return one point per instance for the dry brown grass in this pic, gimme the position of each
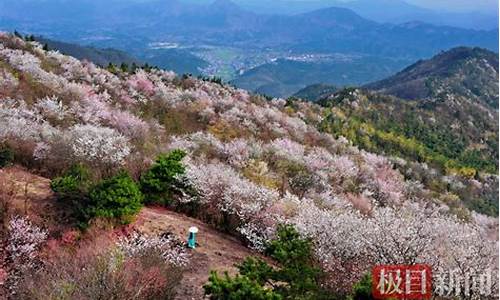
(29, 195)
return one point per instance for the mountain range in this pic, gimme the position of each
(382, 11)
(223, 22)
(271, 54)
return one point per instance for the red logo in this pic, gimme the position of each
(402, 282)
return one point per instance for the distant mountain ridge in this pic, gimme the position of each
(384, 11)
(101, 57)
(461, 71)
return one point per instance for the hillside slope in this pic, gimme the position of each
(215, 250)
(450, 136)
(446, 114)
(460, 72)
(243, 166)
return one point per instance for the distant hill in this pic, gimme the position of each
(442, 111)
(101, 57)
(284, 77)
(177, 60)
(466, 72)
(340, 30)
(315, 92)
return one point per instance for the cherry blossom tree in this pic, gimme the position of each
(24, 241)
(167, 246)
(98, 145)
(7, 81)
(52, 108)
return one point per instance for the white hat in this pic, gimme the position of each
(193, 229)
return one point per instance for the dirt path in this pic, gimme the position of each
(216, 251)
(29, 194)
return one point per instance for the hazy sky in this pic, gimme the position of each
(488, 6)
(462, 5)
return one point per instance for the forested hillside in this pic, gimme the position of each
(451, 137)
